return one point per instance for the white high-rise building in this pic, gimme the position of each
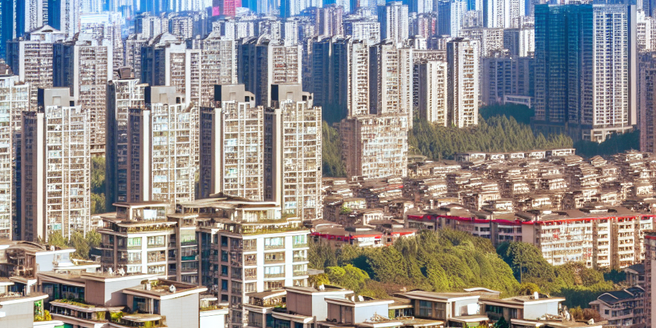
(350, 88)
(432, 91)
(85, 65)
(390, 80)
(520, 42)
(31, 58)
(394, 24)
(463, 82)
(364, 30)
(450, 16)
(55, 167)
(292, 154)
(161, 151)
(232, 145)
(503, 13)
(14, 100)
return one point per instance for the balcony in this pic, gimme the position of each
(275, 275)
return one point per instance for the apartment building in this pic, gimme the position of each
(134, 45)
(503, 76)
(24, 311)
(90, 300)
(520, 42)
(292, 154)
(14, 99)
(598, 237)
(650, 267)
(390, 80)
(31, 58)
(621, 308)
(489, 39)
(463, 82)
(264, 62)
(349, 86)
(55, 167)
(218, 65)
(161, 148)
(85, 65)
(123, 94)
(232, 145)
(375, 146)
(393, 19)
(430, 91)
(364, 30)
(253, 248)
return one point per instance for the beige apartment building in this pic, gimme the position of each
(55, 167)
(161, 150)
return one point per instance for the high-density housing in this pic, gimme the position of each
(55, 167)
(231, 245)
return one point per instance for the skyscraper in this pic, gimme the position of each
(393, 18)
(161, 151)
(449, 15)
(64, 15)
(84, 65)
(432, 91)
(14, 99)
(292, 152)
(31, 58)
(55, 167)
(123, 94)
(218, 65)
(463, 89)
(263, 62)
(585, 69)
(232, 145)
(390, 80)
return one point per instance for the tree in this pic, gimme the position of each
(331, 152)
(348, 277)
(56, 238)
(528, 288)
(97, 184)
(80, 244)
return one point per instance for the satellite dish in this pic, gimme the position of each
(172, 289)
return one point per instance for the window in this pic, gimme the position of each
(425, 309)
(156, 241)
(250, 287)
(274, 257)
(224, 285)
(255, 319)
(134, 242)
(300, 256)
(299, 241)
(300, 269)
(224, 241)
(224, 256)
(298, 325)
(188, 237)
(274, 271)
(274, 242)
(224, 270)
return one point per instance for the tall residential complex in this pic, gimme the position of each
(450, 14)
(123, 94)
(232, 145)
(585, 69)
(31, 58)
(263, 62)
(349, 86)
(218, 63)
(84, 65)
(161, 151)
(463, 82)
(390, 80)
(14, 100)
(55, 167)
(505, 76)
(393, 18)
(292, 153)
(431, 91)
